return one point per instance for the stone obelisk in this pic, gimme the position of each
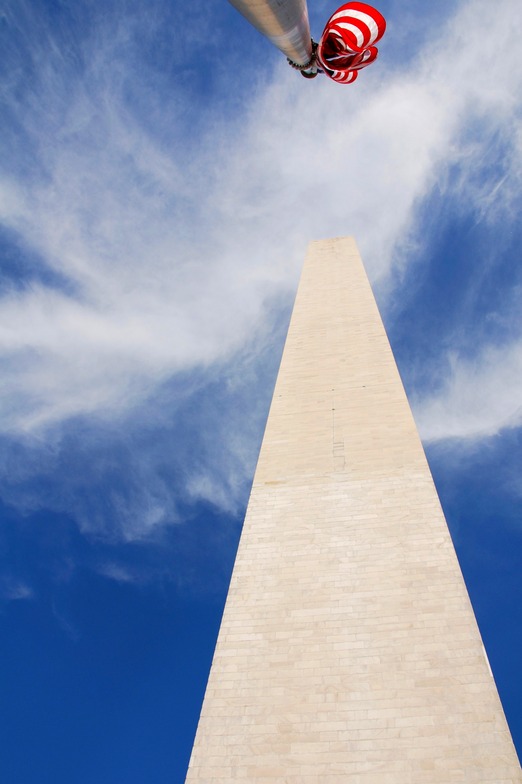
(348, 651)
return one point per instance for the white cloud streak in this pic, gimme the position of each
(173, 252)
(480, 397)
(12, 590)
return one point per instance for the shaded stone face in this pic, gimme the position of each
(348, 650)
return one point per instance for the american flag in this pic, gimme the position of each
(347, 42)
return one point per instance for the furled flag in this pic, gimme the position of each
(347, 42)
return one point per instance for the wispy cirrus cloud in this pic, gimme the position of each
(169, 248)
(13, 589)
(480, 398)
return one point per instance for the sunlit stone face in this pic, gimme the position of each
(348, 650)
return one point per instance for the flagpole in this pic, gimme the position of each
(284, 23)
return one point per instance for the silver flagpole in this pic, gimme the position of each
(284, 23)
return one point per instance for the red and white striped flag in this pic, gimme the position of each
(347, 42)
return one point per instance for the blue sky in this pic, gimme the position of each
(162, 170)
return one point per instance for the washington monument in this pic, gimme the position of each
(348, 650)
